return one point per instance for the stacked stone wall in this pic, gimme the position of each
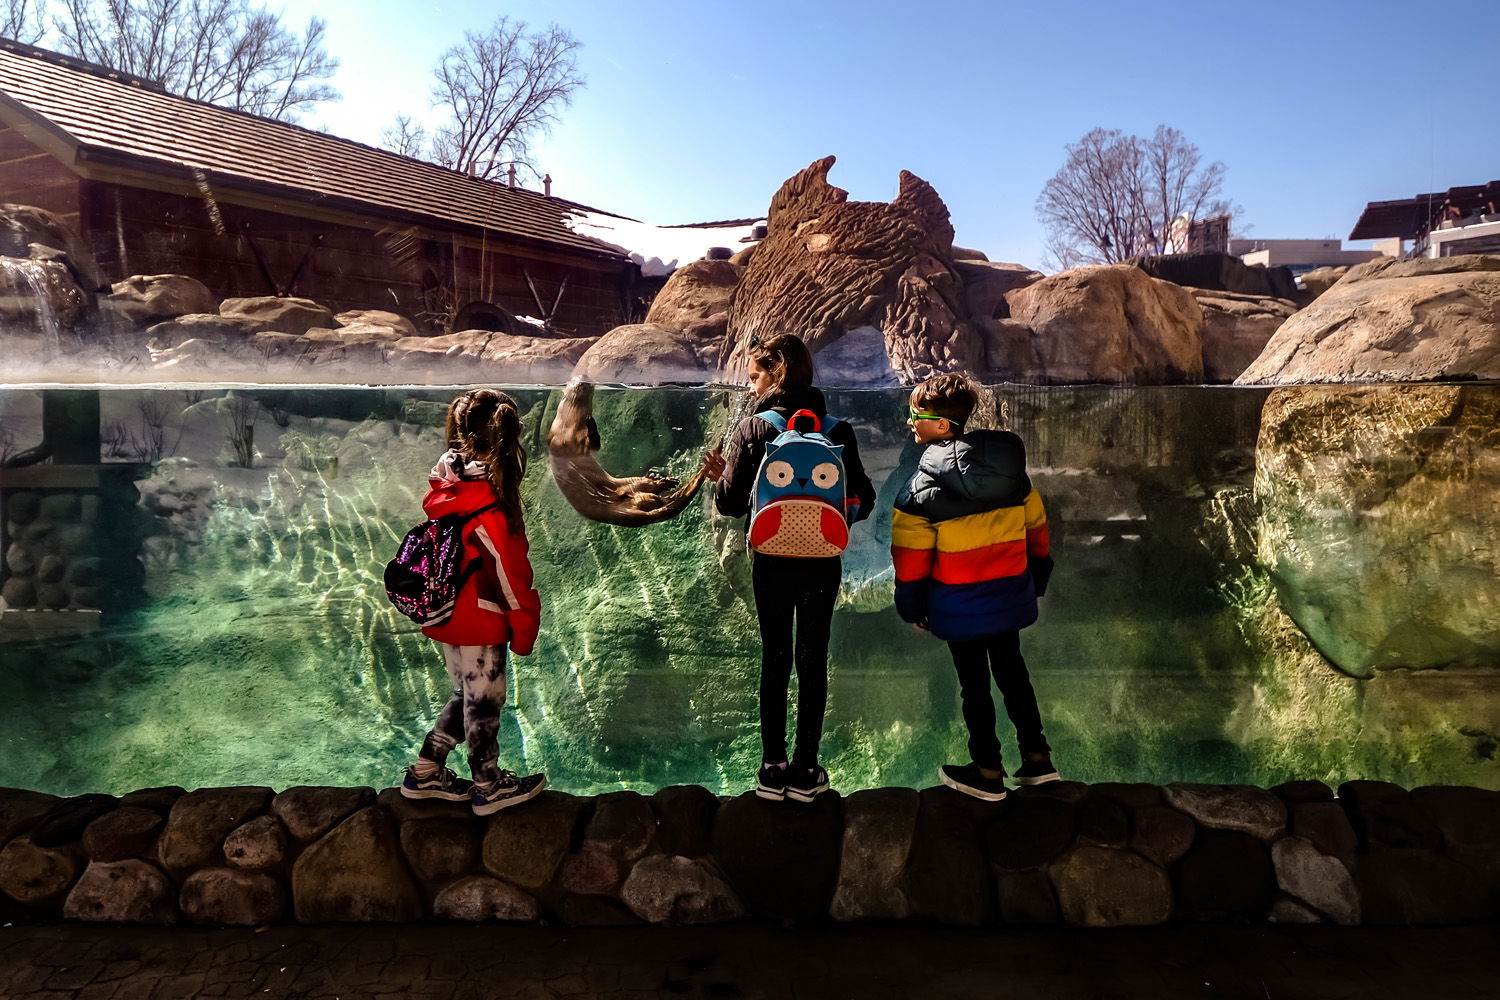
(1105, 855)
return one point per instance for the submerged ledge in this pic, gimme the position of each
(1104, 855)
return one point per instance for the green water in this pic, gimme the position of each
(264, 651)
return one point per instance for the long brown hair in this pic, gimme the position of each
(785, 357)
(484, 425)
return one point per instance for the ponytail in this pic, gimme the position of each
(484, 425)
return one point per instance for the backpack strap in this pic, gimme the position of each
(775, 419)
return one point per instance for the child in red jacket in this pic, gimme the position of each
(480, 476)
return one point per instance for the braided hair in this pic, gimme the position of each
(484, 425)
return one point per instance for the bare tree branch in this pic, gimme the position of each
(225, 52)
(22, 21)
(405, 137)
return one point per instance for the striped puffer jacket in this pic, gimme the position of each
(969, 538)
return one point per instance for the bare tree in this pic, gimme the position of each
(406, 137)
(497, 91)
(21, 20)
(1119, 196)
(226, 52)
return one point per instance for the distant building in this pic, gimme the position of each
(153, 183)
(1299, 256)
(1440, 224)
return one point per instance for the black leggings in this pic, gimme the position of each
(804, 589)
(975, 660)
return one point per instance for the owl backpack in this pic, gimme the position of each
(799, 507)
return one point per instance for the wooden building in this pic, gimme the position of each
(158, 184)
(1460, 220)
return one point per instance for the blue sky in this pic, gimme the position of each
(698, 111)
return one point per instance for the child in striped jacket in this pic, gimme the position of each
(969, 542)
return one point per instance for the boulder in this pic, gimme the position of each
(126, 832)
(353, 336)
(407, 810)
(257, 845)
(19, 808)
(947, 878)
(122, 892)
(684, 819)
(209, 330)
(1420, 888)
(1235, 330)
(1293, 792)
(1102, 820)
(1230, 807)
(622, 826)
(1467, 817)
(525, 845)
(781, 861)
(1131, 794)
(1373, 503)
(284, 315)
(39, 296)
(377, 318)
(1326, 826)
(695, 292)
(440, 850)
(880, 825)
(1226, 874)
(1221, 272)
(1030, 831)
(590, 872)
(676, 891)
(28, 231)
(829, 265)
(1320, 881)
(1161, 834)
(642, 354)
(986, 283)
(1391, 320)
(501, 357)
(225, 897)
(1289, 911)
(1385, 815)
(1319, 280)
(1026, 896)
(355, 873)
(200, 821)
(143, 299)
(1110, 323)
(481, 899)
(37, 875)
(65, 822)
(309, 811)
(1106, 887)
(1008, 351)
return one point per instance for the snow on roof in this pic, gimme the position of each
(659, 250)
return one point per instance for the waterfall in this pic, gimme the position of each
(28, 289)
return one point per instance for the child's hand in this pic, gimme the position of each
(713, 465)
(921, 626)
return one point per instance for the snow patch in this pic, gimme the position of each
(659, 250)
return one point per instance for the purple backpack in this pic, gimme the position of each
(425, 578)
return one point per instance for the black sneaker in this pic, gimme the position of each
(805, 783)
(512, 790)
(770, 783)
(440, 784)
(1036, 772)
(967, 779)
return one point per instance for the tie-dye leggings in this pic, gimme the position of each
(472, 715)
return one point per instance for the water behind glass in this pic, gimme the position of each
(262, 649)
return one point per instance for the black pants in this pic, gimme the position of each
(975, 660)
(804, 590)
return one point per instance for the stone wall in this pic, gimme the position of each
(1104, 855)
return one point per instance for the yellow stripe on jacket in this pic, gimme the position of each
(984, 546)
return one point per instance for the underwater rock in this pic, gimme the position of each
(1225, 875)
(1390, 320)
(37, 875)
(1230, 807)
(126, 832)
(144, 299)
(122, 892)
(1379, 510)
(480, 899)
(675, 891)
(781, 858)
(829, 265)
(525, 845)
(641, 354)
(356, 873)
(684, 819)
(1025, 897)
(1110, 323)
(224, 897)
(947, 877)
(284, 315)
(200, 821)
(880, 825)
(1317, 879)
(309, 811)
(440, 849)
(259, 844)
(1107, 887)
(1235, 330)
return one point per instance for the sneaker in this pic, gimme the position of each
(512, 790)
(805, 783)
(1036, 772)
(440, 784)
(967, 779)
(770, 782)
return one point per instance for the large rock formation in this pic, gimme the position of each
(1379, 514)
(1109, 323)
(829, 265)
(1214, 271)
(1391, 320)
(1235, 330)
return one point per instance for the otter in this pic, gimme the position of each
(594, 493)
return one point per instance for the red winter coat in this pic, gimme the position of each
(497, 603)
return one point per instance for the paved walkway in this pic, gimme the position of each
(460, 962)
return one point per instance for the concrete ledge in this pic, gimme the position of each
(1105, 855)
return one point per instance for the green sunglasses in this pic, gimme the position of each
(925, 416)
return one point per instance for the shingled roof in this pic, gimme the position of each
(115, 119)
